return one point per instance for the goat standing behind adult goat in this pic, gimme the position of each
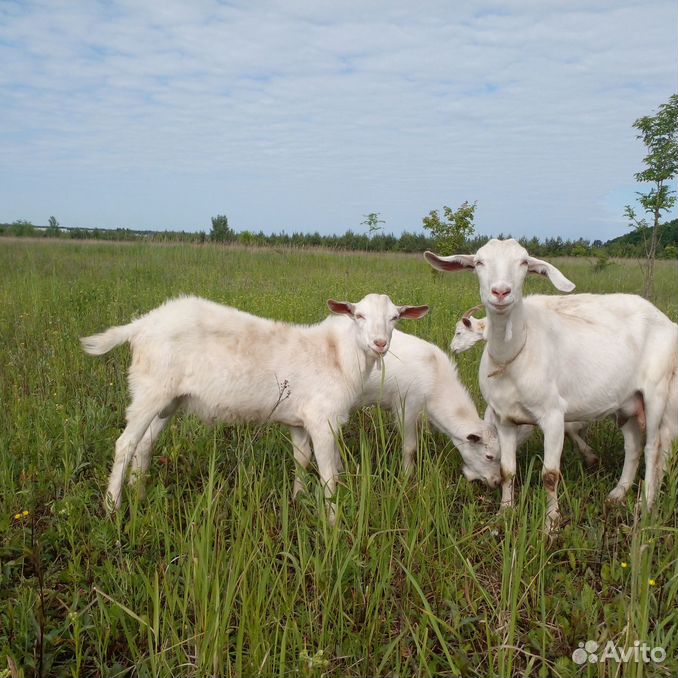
(418, 379)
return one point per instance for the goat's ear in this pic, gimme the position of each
(341, 307)
(455, 262)
(467, 322)
(412, 312)
(558, 280)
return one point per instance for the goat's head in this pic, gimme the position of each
(375, 316)
(468, 331)
(481, 455)
(501, 266)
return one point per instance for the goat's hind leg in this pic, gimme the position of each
(632, 446)
(654, 466)
(140, 414)
(141, 459)
(572, 431)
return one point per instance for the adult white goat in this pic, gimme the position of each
(469, 330)
(418, 378)
(227, 365)
(544, 367)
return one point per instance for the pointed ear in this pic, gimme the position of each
(455, 262)
(558, 280)
(467, 322)
(341, 307)
(412, 312)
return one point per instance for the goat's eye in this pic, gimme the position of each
(524, 262)
(395, 317)
(480, 263)
(359, 316)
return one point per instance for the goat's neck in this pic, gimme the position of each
(356, 365)
(506, 333)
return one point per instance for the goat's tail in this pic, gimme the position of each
(98, 344)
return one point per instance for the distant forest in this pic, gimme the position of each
(630, 244)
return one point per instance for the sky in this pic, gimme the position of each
(307, 115)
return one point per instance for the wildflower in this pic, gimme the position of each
(17, 516)
(652, 582)
(624, 565)
(24, 514)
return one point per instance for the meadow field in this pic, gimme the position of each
(217, 572)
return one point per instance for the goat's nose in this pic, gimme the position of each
(380, 343)
(501, 291)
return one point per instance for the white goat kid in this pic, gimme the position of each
(227, 365)
(470, 330)
(417, 379)
(542, 367)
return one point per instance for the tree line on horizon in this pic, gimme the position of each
(628, 245)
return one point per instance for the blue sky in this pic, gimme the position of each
(307, 115)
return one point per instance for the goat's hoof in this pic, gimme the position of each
(647, 506)
(591, 461)
(552, 523)
(111, 504)
(138, 485)
(299, 487)
(617, 495)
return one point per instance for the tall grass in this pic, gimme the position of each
(218, 572)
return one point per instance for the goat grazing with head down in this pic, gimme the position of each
(417, 379)
(226, 365)
(600, 354)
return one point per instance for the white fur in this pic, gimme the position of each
(597, 354)
(467, 333)
(470, 330)
(227, 365)
(418, 378)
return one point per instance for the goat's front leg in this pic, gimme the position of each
(326, 454)
(553, 426)
(301, 442)
(408, 427)
(508, 441)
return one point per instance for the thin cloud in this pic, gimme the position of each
(308, 115)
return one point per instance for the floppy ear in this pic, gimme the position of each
(558, 280)
(455, 262)
(341, 307)
(412, 312)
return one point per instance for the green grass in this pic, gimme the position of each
(217, 572)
